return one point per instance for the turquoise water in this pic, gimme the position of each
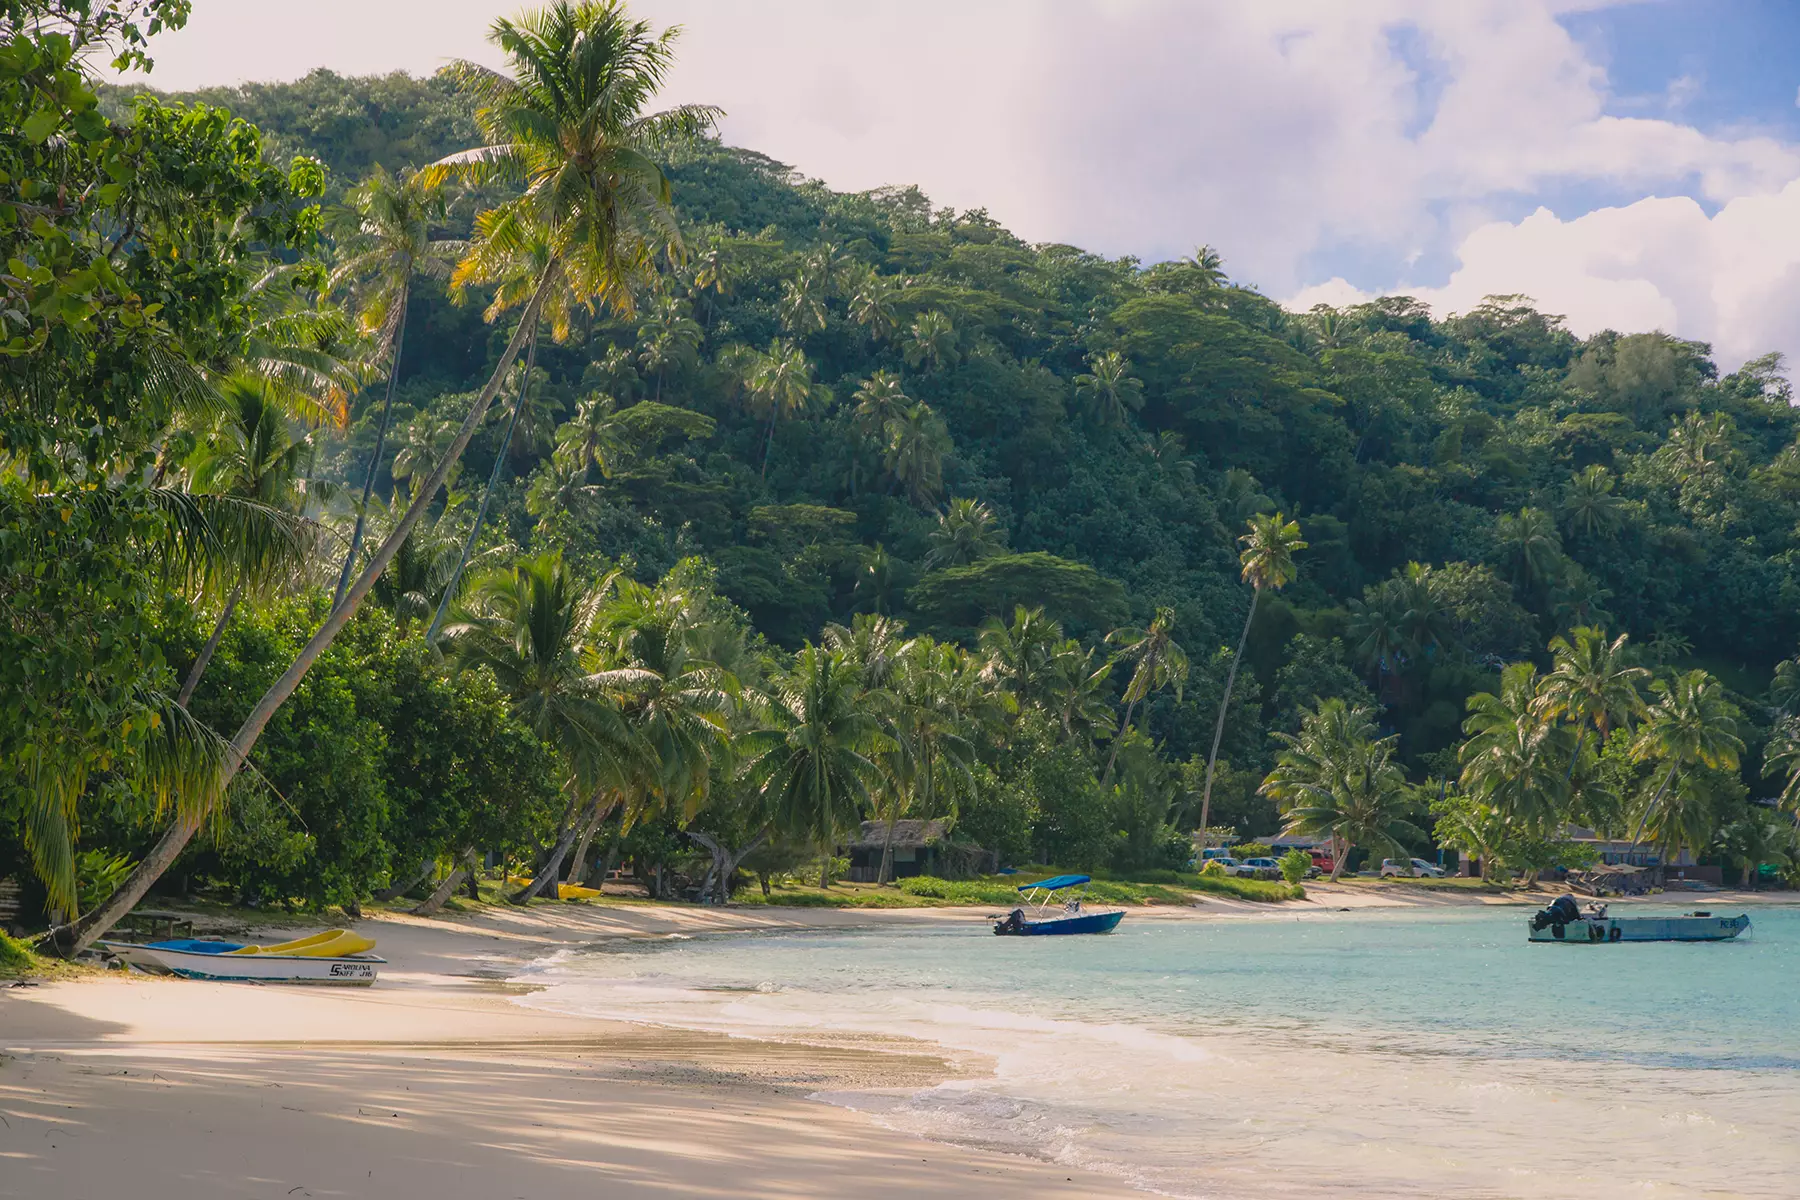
(1393, 1054)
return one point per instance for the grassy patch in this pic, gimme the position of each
(926, 891)
(16, 958)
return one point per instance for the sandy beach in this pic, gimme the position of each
(436, 1083)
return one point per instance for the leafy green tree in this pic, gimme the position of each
(1589, 507)
(1267, 561)
(1692, 725)
(931, 342)
(917, 444)
(781, 383)
(967, 531)
(1160, 663)
(667, 339)
(1512, 759)
(1530, 548)
(1108, 391)
(1592, 685)
(879, 402)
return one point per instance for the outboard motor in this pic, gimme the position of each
(1561, 912)
(1012, 922)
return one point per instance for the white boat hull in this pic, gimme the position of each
(1589, 931)
(356, 971)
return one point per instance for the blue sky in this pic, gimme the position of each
(1630, 165)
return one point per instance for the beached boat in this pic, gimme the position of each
(1565, 921)
(336, 957)
(1044, 913)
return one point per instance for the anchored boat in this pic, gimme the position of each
(1044, 913)
(335, 957)
(1565, 921)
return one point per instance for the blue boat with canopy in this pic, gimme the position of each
(1047, 911)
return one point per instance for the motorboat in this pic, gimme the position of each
(336, 957)
(1046, 910)
(1566, 921)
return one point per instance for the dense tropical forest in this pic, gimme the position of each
(528, 477)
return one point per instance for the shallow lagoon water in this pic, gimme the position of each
(1395, 1054)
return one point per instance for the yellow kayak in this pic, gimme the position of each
(564, 891)
(332, 943)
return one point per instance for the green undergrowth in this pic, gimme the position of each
(16, 958)
(927, 891)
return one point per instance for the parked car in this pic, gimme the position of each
(1259, 868)
(1226, 863)
(1412, 868)
(1323, 864)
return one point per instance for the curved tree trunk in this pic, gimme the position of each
(411, 881)
(205, 656)
(487, 496)
(724, 864)
(440, 895)
(387, 415)
(1212, 759)
(581, 847)
(72, 939)
(769, 441)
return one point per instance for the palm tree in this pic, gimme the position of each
(569, 123)
(917, 443)
(1377, 630)
(1699, 445)
(1267, 561)
(932, 341)
(879, 402)
(1589, 507)
(1336, 779)
(254, 456)
(781, 381)
(714, 272)
(530, 625)
(1169, 450)
(929, 764)
(967, 531)
(1691, 724)
(872, 305)
(1758, 838)
(1511, 758)
(1592, 685)
(815, 764)
(1530, 546)
(1108, 391)
(1781, 758)
(1076, 690)
(802, 306)
(1019, 655)
(1161, 663)
(1207, 267)
(388, 243)
(417, 576)
(668, 338)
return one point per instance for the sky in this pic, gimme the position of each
(1633, 166)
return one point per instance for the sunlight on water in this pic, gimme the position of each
(1399, 1054)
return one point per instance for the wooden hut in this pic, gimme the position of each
(920, 848)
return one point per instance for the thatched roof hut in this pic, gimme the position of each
(909, 833)
(920, 848)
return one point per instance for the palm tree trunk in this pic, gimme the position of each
(1112, 754)
(769, 441)
(72, 939)
(408, 883)
(1212, 760)
(441, 894)
(487, 497)
(387, 415)
(581, 847)
(206, 652)
(885, 875)
(1580, 734)
(1651, 807)
(547, 871)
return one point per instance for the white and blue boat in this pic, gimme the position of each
(1044, 913)
(336, 957)
(1566, 922)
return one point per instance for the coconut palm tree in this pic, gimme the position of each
(929, 765)
(1530, 547)
(569, 123)
(1160, 663)
(815, 764)
(967, 531)
(1692, 724)
(668, 338)
(872, 305)
(1019, 655)
(387, 242)
(1589, 507)
(1337, 779)
(1513, 756)
(879, 402)
(256, 455)
(1108, 391)
(531, 626)
(1592, 685)
(917, 444)
(931, 342)
(1267, 561)
(781, 382)
(802, 306)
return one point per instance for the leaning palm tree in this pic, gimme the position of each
(1336, 779)
(1692, 724)
(1592, 686)
(388, 242)
(569, 124)
(1268, 562)
(530, 625)
(1161, 663)
(815, 764)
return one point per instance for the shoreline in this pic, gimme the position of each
(438, 1074)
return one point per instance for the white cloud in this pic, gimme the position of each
(1732, 279)
(1393, 130)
